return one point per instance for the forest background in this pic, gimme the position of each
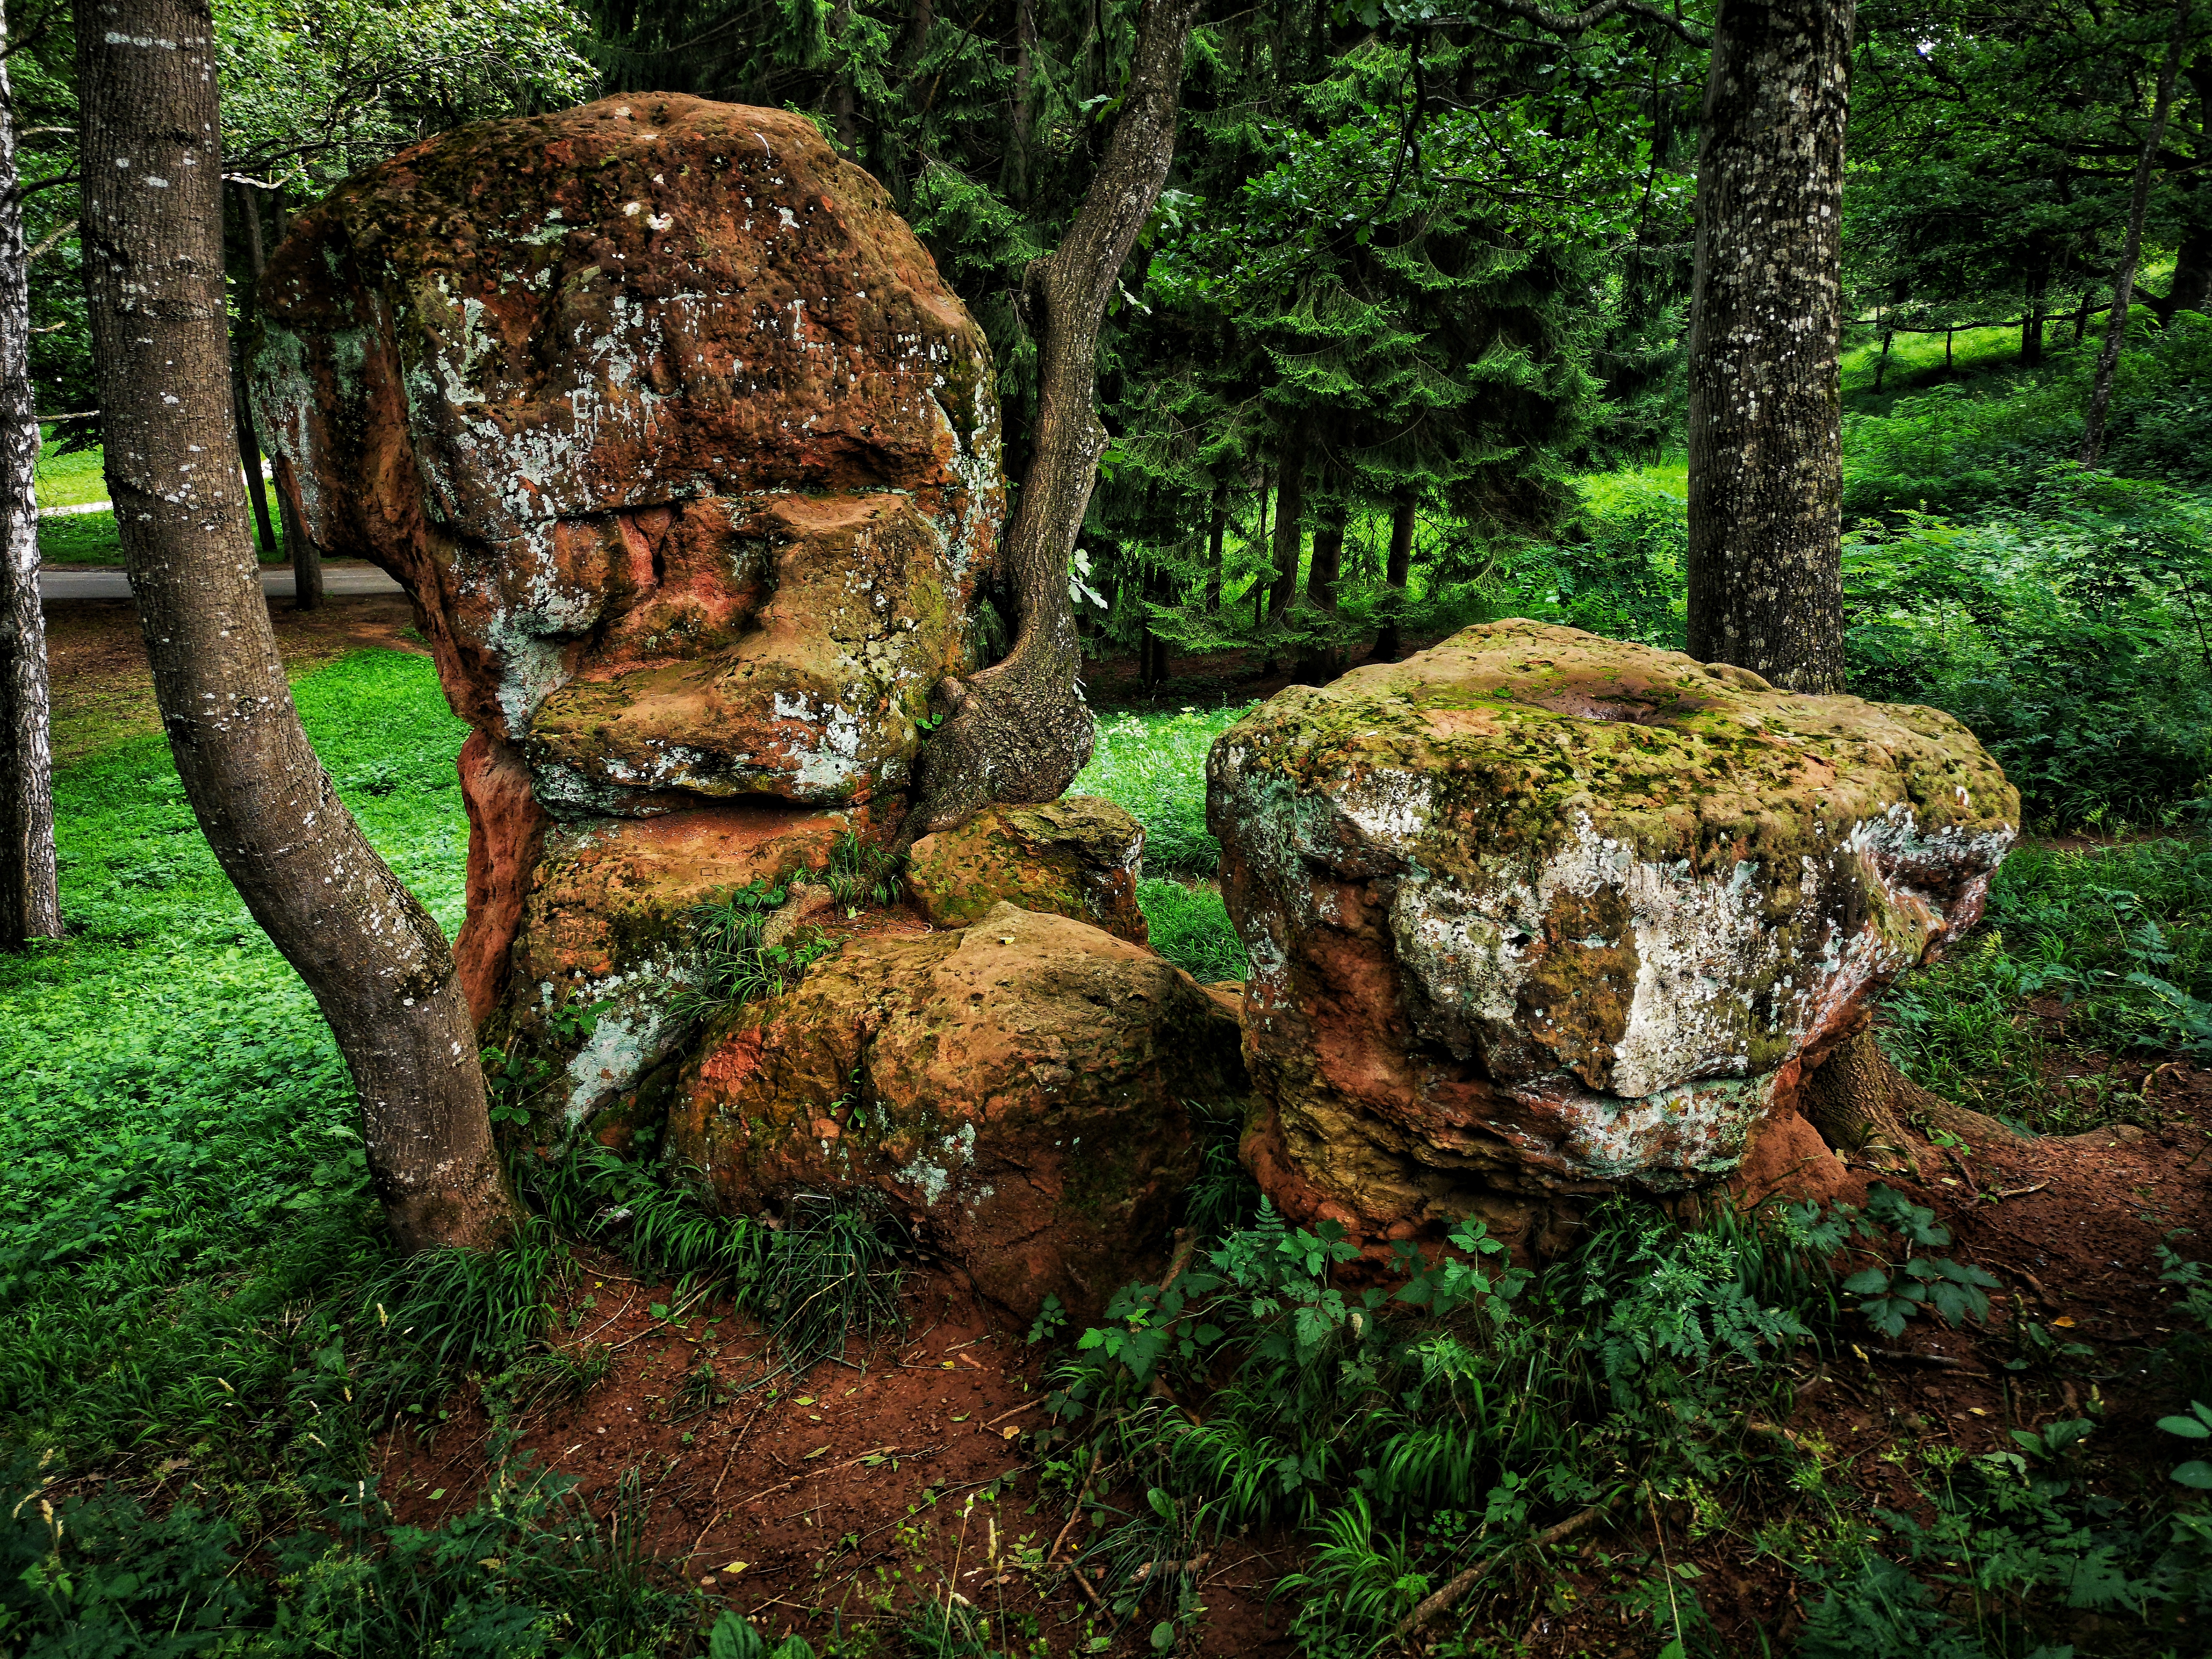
(1403, 345)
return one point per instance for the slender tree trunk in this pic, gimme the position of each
(30, 897)
(2031, 326)
(1765, 580)
(1018, 730)
(1290, 522)
(2081, 314)
(376, 961)
(2123, 279)
(1881, 363)
(1324, 663)
(306, 557)
(1019, 140)
(844, 114)
(249, 441)
(1390, 644)
(1217, 531)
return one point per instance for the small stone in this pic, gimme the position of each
(1080, 857)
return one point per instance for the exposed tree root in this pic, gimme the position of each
(1864, 1107)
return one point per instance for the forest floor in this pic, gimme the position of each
(822, 1502)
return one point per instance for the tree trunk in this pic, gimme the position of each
(1864, 1107)
(30, 897)
(1018, 140)
(2031, 325)
(1390, 644)
(1881, 363)
(2081, 314)
(1290, 522)
(1321, 664)
(1217, 531)
(2191, 286)
(2123, 279)
(241, 413)
(306, 557)
(1018, 730)
(376, 961)
(843, 106)
(1766, 578)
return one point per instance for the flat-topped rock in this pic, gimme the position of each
(1535, 914)
(1078, 856)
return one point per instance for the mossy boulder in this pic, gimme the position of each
(1020, 1090)
(1078, 856)
(607, 941)
(666, 421)
(1536, 914)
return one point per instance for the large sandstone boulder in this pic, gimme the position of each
(1535, 914)
(1018, 1091)
(691, 463)
(1078, 856)
(665, 419)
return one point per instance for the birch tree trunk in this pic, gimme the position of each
(1765, 585)
(1018, 730)
(30, 901)
(377, 964)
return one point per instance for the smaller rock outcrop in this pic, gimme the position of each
(1020, 1092)
(1080, 857)
(1535, 914)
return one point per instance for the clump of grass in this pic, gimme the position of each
(735, 962)
(1190, 927)
(860, 873)
(1154, 766)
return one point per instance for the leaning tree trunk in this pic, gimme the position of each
(1018, 730)
(1766, 584)
(30, 899)
(376, 961)
(2123, 279)
(1318, 665)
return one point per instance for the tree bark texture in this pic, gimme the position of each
(1018, 730)
(377, 964)
(1765, 584)
(30, 898)
(2123, 279)
(1397, 570)
(1864, 1107)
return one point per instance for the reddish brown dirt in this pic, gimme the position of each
(103, 691)
(851, 1495)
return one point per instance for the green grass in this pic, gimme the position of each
(1190, 927)
(175, 1123)
(1154, 765)
(69, 480)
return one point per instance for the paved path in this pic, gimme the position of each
(94, 582)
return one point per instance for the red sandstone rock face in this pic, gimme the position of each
(1536, 914)
(1018, 1090)
(665, 418)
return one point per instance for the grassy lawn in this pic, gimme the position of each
(85, 538)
